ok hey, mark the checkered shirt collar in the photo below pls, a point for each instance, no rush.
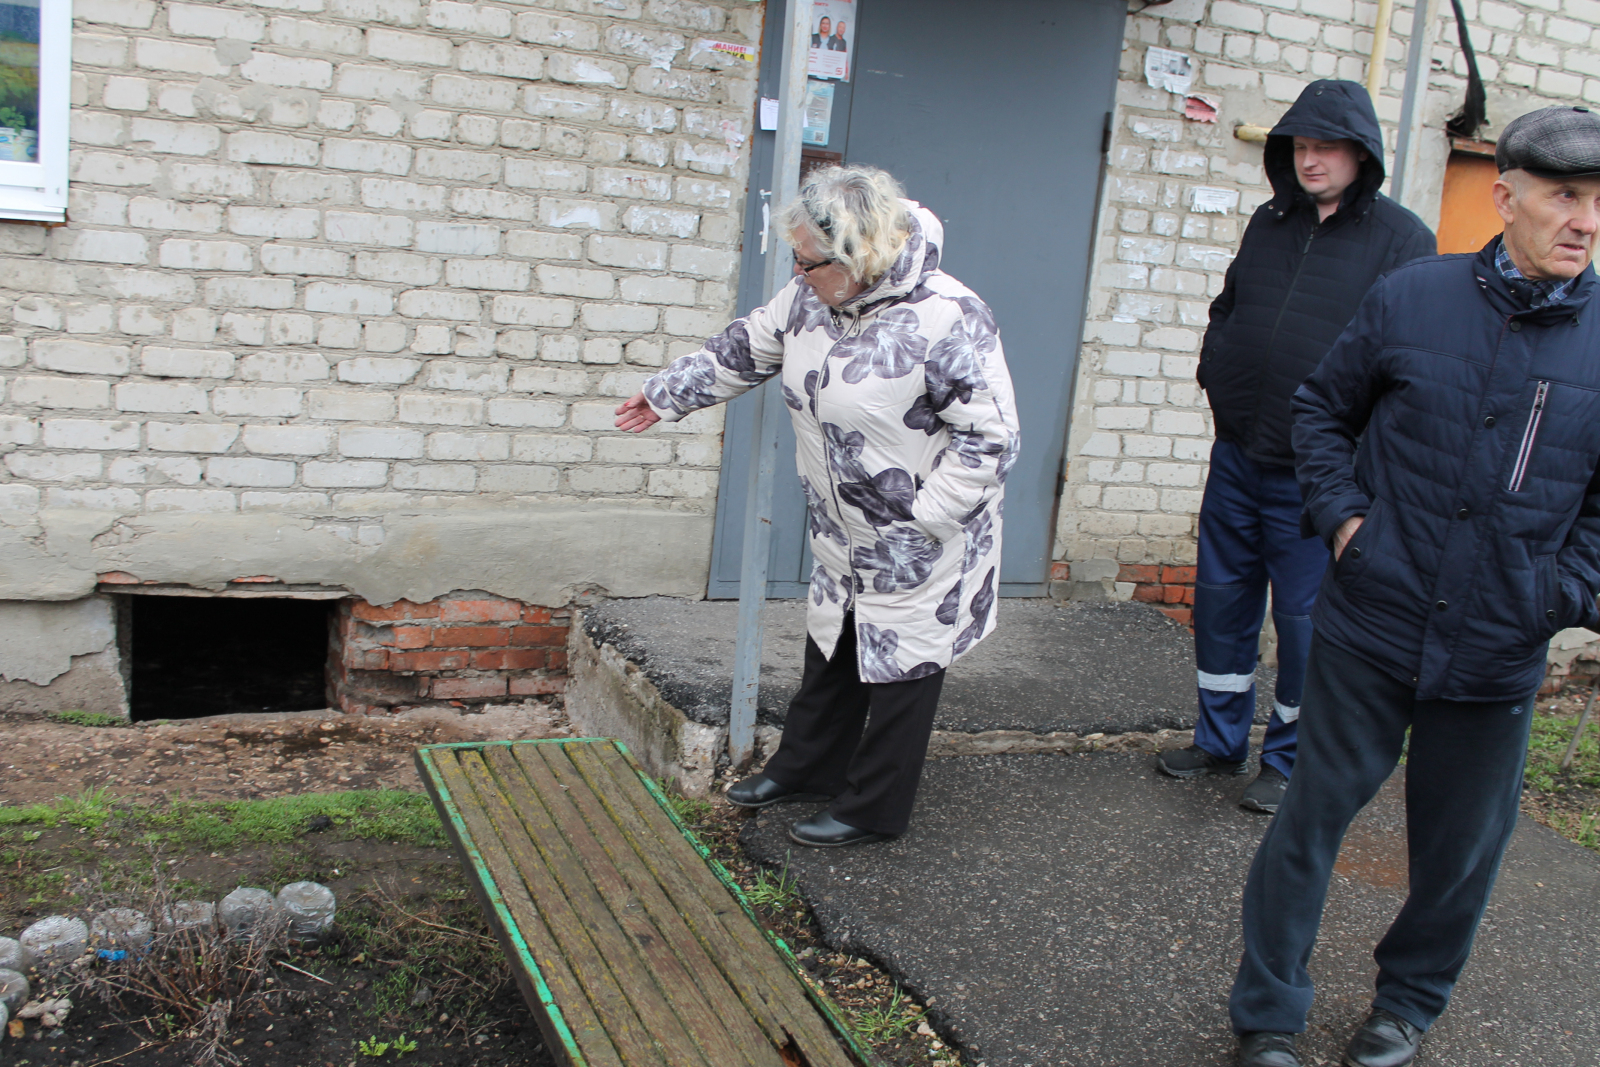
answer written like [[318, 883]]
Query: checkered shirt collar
[[1540, 293]]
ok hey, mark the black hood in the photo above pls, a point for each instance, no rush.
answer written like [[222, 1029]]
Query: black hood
[[1328, 111]]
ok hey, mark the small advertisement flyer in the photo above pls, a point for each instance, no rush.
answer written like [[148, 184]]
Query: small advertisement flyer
[[818, 111], [833, 35]]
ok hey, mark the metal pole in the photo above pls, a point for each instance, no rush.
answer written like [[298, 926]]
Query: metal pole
[[1413, 104], [1583, 720], [1380, 49], [769, 413]]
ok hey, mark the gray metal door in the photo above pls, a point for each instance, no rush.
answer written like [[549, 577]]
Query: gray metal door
[[995, 117]]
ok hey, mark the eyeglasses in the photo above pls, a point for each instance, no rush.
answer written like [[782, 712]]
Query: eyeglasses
[[807, 268]]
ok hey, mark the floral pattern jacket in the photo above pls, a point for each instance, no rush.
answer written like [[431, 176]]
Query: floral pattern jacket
[[907, 427]]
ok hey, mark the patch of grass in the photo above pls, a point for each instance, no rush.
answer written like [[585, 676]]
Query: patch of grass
[[1552, 733], [776, 891], [889, 1021], [89, 809], [692, 810], [89, 718], [385, 815]]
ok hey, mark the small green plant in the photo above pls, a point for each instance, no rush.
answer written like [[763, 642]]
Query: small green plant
[[774, 891], [402, 1046], [80, 718], [373, 1047], [689, 810], [888, 1022]]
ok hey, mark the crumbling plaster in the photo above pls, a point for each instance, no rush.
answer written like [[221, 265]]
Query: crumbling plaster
[[545, 555]]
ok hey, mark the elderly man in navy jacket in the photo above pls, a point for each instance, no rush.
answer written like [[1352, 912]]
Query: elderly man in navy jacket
[[1449, 451]]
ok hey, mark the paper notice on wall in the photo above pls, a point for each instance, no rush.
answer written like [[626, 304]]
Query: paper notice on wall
[[769, 113], [818, 111], [724, 48], [1169, 70], [833, 39], [1201, 108], [1206, 198]]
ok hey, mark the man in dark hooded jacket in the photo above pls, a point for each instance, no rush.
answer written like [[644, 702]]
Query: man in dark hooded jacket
[[1308, 257], [1449, 452]]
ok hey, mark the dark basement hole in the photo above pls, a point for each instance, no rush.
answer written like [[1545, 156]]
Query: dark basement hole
[[196, 656]]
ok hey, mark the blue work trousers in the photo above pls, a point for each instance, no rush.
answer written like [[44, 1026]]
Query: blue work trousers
[[1463, 783], [1250, 538]]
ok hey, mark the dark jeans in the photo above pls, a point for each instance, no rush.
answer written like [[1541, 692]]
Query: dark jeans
[[862, 743], [1463, 780], [1250, 537]]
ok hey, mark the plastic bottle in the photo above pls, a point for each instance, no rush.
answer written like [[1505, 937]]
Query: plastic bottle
[[13, 990], [243, 910], [189, 915], [55, 941], [13, 957], [309, 908], [116, 932]]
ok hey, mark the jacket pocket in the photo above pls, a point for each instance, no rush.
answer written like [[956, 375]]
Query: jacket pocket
[[1548, 598], [1358, 550], [1530, 434]]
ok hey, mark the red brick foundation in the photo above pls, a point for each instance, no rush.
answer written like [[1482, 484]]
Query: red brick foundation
[[465, 648], [1171, 588]]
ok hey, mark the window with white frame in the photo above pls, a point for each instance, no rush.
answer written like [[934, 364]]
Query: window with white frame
[[35, 82]]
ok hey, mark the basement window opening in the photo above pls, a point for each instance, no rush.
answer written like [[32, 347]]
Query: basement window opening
[[194, 655]]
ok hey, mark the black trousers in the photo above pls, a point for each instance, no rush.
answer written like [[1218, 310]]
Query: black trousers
[[1464, 769], [863, 743]]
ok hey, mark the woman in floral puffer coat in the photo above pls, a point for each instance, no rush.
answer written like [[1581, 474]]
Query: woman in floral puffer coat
[[906, 428]]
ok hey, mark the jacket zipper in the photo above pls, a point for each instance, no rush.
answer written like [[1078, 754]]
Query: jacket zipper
[[1283, 307], [1525, 452]]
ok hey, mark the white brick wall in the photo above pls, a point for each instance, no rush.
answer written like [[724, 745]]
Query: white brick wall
[[336, 255], [1141, 428]]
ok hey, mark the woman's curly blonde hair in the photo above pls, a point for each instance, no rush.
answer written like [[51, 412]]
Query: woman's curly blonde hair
[[856, 214]]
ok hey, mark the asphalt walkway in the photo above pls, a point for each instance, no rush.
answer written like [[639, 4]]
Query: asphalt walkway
[[1080, 911]]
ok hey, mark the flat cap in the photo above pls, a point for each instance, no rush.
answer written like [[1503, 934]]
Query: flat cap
[[1553, 142]]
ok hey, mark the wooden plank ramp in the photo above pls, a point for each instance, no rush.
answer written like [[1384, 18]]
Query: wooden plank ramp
[[630, 943]]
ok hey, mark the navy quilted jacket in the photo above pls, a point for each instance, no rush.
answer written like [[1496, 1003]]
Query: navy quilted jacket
[[1297, 282], [1466, 428]]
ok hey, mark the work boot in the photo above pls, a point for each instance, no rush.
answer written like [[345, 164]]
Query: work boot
[[1384, 1040], [1263, 1048], [1266, 792], [1194, 761]]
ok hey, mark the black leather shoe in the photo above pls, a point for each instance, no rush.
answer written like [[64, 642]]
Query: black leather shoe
[[1384, 1040], [822, 830], [1263, 1048], [1266, 792], [758, 791], [1194, 761]]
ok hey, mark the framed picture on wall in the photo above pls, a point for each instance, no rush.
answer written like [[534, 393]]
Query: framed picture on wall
[[35, 79]]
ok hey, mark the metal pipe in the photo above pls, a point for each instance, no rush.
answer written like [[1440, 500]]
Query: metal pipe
[[1413, 104], [757, 543], [1380, 49], [1577, 734]]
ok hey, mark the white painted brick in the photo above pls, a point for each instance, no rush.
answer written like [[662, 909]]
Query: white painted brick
[[210, 20], [348, 298], [508, 411], [252, 473], [353, 474], [631, 184], [502, 60], [571, 281], [156, 214], [134, 14], [350, 406], [310, 35], [578, 35], [687, 322], [520, 133], [90, 434], [183, 254], [255, 400], [82, 393], [366, 82], [380, 442], [620, 318], [439, 304], [177, 58], [477, 93], [390, 195], [455, 165], [176, 138], [658, 290], [252, 146], [382, 336], [1178, 422], [167, 397], [185, 362], [298, 188], [519, 479], [568, 105], [602, 350], [440, 410], [469, 18], [156, 470], [355, 227], [80, 357], [191, 436], [293, 502], [104, 168], [605, 479], [1175, 338], [703, 262], [660, 221], [409, 48], [369, 156], [206, 179], [549, 448], [378, 370], [283, 367], [487, 274], [458, 239], [103, 246], [398, 267], [451, 478], [99, 50], [575, 69], [54, 467], [466, 377], [586, 214], [250, 292], [492, 203], [303, 260], [190, 500], [288, 329], [552, 174], [469, 446], [286, 440]]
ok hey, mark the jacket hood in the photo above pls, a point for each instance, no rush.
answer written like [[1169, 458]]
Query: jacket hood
[[1327, 110], [918, 259]]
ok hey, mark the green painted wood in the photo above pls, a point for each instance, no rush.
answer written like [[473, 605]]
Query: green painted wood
[[622, 953], [628, 1032], [569, 1022], [633, 943], [745, 1043]]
